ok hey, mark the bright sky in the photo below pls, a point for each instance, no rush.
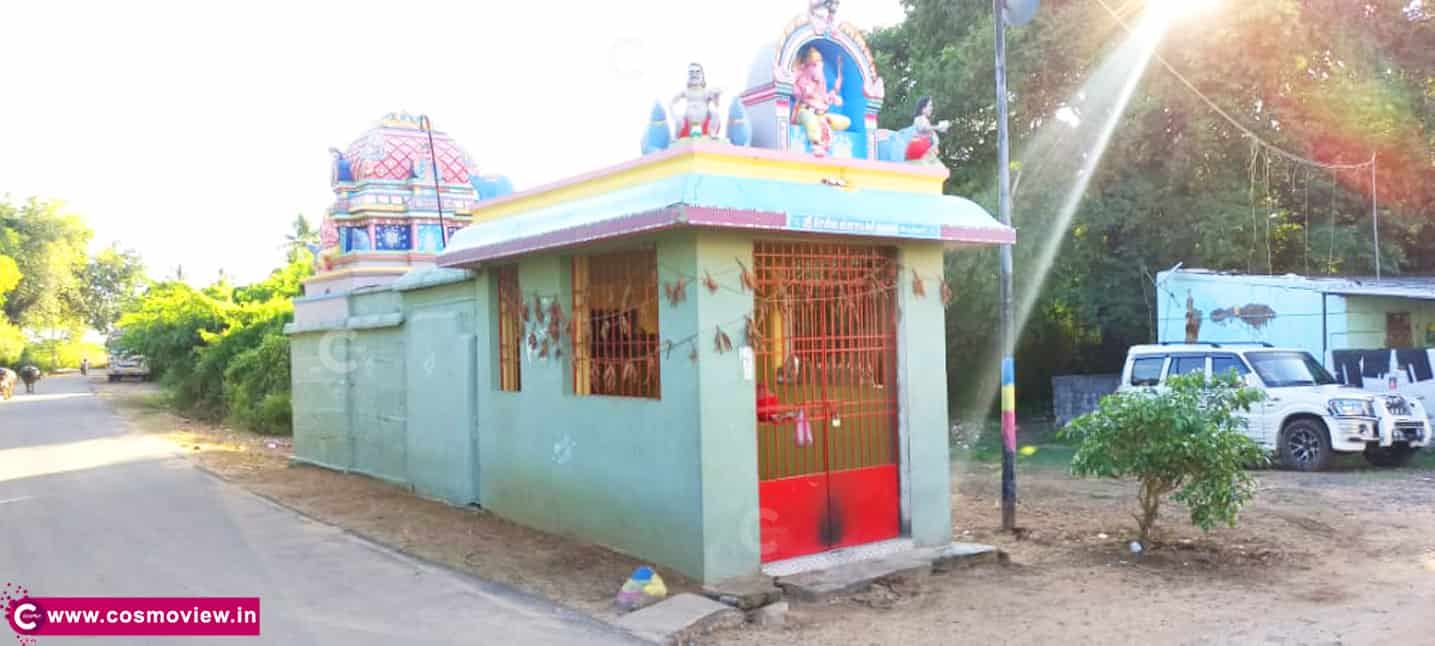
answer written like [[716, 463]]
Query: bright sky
[[195, 131]]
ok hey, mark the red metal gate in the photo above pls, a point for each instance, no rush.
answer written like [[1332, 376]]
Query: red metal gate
[[824, 335]]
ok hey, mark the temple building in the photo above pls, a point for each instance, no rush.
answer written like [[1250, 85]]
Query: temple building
[[386, 217], [721, 357]]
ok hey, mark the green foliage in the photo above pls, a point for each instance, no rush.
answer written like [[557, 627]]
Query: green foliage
[[9, 276], [167, 327], [249, 325], [12, 343], [285, 282], [112, 280], [49, 249], [256, 387], [219, 357], [1330, 80], [55, 355], [1187, 438]]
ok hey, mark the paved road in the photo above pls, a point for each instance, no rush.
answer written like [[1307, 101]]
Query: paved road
[[88, 509]]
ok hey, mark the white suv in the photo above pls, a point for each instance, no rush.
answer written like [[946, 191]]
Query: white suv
[[1306, 417]]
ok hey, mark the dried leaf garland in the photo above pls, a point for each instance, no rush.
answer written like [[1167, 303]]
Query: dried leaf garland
[[708, 282], [555, 319], [721, 342], [754, 338], [610, 379], [918, 287], [668, 349], [630, 372], [748, 282], [543, 349], [693, 355], [533, 340], [625, 325], [946, 293], [677, 292]]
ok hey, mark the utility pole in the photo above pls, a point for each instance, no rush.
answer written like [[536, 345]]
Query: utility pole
[[438, 199], [1375, 215], [1008, 342]]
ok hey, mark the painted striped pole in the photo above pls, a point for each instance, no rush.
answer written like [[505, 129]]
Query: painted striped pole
[[1008, 389]]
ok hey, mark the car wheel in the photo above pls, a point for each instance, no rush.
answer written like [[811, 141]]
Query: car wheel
[[1305, 446], [1387, 457]]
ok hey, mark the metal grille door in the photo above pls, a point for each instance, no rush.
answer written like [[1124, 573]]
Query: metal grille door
[[824, 335]]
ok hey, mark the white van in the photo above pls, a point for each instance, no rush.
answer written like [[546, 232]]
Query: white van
[[1306, 417]]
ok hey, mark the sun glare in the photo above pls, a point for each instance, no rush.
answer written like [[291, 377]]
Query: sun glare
[[1171, 10]]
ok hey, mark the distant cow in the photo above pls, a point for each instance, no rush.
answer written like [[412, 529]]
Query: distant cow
[[30, 374], [7, 383]]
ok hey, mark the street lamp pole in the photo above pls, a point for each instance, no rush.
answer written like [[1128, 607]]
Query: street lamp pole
[[1008, 342]]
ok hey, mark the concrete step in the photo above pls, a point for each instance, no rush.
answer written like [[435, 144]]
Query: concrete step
[[680, 618], [912, 567]]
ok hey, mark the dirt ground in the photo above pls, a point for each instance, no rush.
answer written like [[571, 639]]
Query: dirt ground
[[1344, 557]]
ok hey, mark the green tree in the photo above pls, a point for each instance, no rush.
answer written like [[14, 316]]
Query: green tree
[[112, 280], [49, 249], [1329, 80], [1188, 439], [12, 339], [283, 283], [302, 239]]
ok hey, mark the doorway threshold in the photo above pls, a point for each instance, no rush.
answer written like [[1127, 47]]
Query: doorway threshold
[[837, 557]]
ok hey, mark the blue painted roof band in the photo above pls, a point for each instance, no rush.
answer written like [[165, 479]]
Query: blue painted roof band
[[767, 204]]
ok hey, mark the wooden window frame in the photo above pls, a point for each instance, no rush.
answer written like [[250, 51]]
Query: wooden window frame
[[615, 302], [510, 329]]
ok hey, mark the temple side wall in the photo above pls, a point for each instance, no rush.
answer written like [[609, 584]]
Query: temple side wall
[[621, 472], [924, 447], [387, 391], [406, 389]]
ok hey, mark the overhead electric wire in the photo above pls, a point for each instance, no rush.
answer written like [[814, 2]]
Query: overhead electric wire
[[1225, 115]]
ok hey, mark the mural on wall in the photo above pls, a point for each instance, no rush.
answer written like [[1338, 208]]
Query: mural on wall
[[1193, 319], [1255, 315]]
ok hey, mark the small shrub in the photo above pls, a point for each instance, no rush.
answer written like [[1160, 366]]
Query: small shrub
[[256, 387], [1187, 439]]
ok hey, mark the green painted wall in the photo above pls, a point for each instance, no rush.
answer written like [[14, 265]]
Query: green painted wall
[[321, 399], [727, 412], [922, 397], [377, 403], [621, 472], [440, 449], [1365, 320], [672, 481]]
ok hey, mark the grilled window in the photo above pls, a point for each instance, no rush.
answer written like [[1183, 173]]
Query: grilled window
[[615, 324], [510, 329]]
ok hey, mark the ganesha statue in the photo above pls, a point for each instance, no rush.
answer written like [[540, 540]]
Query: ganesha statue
[[813, 101]]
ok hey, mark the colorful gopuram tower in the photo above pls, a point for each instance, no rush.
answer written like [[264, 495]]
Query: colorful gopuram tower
[[386, 218]]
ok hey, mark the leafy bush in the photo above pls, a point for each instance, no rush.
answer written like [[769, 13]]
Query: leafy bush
[[167, 328], [1188, 439], [12, 343], [194, 339], [249, 325], [256, 387]]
